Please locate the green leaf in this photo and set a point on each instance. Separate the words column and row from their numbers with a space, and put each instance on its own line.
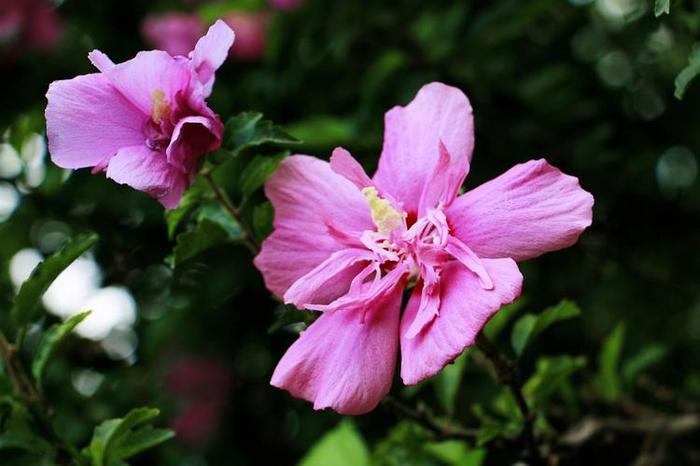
column 342, row 446
column 456, row 453
column 214, row 212
column 50, row 341
column 263, row 215
column 404, row 446
column 550, row 375
column 446, row 383
column 23, row 441
column 116, row 440
column 661, row 7
column 25, row 309
column 688, row 73
column 248, row 129
column 256, row 172
column 498, row 322
column 643, row 360
column 608, row 378
column 530, row 325
column 189, row 202
column 288, row 315
column 324, row 131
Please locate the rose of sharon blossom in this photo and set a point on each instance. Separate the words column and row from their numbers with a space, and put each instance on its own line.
column 145, row 122
column 176, row 33
column 251, row 31
column 348, row 245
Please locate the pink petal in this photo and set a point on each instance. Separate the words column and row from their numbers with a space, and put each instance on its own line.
column 148, row 171
column 145, row 75
column 307, row 197
column 345, row 165
column 193, row 137
column 329, row 280
column 531, row 209
column 465, row 307
column 342, row 363
column 410, row 160
column 88, row 121
column 211, row 52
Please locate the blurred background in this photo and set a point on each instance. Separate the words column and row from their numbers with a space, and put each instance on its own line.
column 587, row 84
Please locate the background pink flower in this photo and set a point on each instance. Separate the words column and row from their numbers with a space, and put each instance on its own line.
column 145, row 122
column 347, row 245
column 286, row 5
column 251, row 31
column 176, row 33
column 28, row 25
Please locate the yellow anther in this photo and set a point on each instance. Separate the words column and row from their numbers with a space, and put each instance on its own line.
column 161, row 107
column 385, row 217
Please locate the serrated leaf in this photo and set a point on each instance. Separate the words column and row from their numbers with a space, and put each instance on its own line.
column 214, row 212
column 263, row 215
column 50, row 341
column 530, row 325
column 189, row 202
column 608, row 379
column 118, row 439
column 688, row 73
column 661, row 7
column 289, row 315
column 342, row 446
column 248, row 129
column 256, row 172
column 550, row 375
column 27, row 300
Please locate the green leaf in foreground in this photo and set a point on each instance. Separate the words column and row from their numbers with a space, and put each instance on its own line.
column 661, row 7
column 530, row 325
column 50, row 341
column 688, row 73
column 26, row 305
column 116, row 440
column 342, row 446
column 248, row 129
column 256, row 172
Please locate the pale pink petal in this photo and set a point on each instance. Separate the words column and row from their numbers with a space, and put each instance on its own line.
column 343, row 363
column 413, row 135
column 88, row 121
column 147, row 77
column 211, row 52
column 148, row 171
column 329, row 280
column 193, row 137
column 345, row 165
column 531, row 209
column 465, row 307
column 307, row 197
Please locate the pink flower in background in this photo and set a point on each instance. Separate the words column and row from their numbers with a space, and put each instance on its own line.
column 176, row 33
column 348, row 246
column 28, row 25
column 145, row 121
column 286, row 5
column 251, row 31
column 203, row 386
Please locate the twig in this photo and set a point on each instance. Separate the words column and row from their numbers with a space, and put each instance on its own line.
column 506, row 373
column 235, row 212
column 441, row 432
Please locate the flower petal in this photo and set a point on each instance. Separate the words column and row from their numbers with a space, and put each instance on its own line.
column 342, row 363
column 88, row 121
column 413, row 135
column 211, row 52
column 146, row 76
column 308, row 198
column 148, row 171
column 531, row 209
column 345, row 165
column 192, row 137
column 465, row 307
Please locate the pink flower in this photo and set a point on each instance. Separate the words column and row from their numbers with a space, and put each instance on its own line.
column 176, row 33
column 348, row 246
column 251, row 30
column 28, row 25
column 286, row 5
column 145, row 121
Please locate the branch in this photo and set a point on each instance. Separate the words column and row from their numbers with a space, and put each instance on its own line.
column 506, row 373
column 441, row 431
column 235, row 212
